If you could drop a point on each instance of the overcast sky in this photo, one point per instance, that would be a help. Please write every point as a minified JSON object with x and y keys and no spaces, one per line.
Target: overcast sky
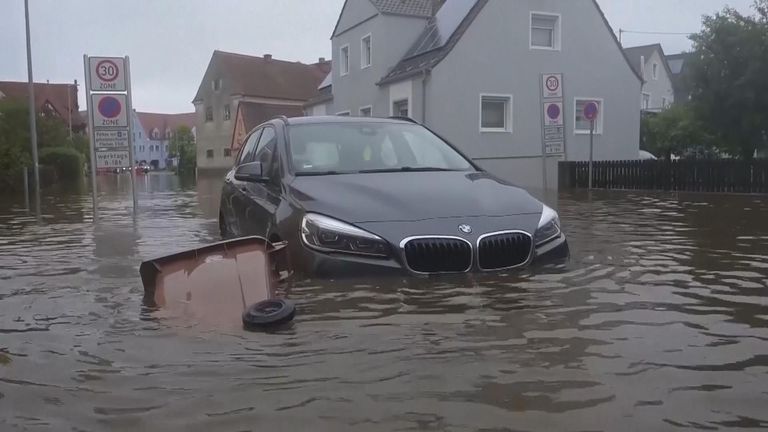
{"x":170,"y":41}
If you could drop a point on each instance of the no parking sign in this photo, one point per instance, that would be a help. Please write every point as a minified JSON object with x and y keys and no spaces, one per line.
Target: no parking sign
{"x":109,"y":111}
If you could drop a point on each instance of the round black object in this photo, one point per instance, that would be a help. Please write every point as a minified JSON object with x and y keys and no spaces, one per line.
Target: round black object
{"x":268,"y":313}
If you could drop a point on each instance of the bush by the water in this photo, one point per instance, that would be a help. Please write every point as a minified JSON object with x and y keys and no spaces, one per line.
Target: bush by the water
{"x":66,"y":162}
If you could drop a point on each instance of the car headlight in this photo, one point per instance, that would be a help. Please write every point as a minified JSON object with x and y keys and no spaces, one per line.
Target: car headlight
{"x":549,"y":226}
{"x":331,"y":235}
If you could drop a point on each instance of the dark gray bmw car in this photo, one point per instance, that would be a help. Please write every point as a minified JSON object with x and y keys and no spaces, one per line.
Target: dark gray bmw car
{"x":356,"y":196}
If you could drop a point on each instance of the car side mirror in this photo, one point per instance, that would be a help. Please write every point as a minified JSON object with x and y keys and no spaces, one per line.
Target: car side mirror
{"x":251,"y":172}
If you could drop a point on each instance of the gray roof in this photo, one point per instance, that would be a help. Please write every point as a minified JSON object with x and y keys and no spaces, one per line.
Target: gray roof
{"x":422,"y":8}
{"x":677,"y":62}
{"x":634,"y":54}
{"x":411,"y":66}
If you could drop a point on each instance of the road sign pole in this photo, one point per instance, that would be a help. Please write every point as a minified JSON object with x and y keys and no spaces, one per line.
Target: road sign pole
{"x":32,"y":115}
{"x":91,"y":136}
{"x":129,"y":107}
{"x":591,"y":149}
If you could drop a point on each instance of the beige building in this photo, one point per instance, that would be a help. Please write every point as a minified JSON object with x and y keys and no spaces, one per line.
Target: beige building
{"x":234,"y":78}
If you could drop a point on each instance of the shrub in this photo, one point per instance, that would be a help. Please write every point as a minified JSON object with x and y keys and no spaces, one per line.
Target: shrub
{"x":67,"y":162}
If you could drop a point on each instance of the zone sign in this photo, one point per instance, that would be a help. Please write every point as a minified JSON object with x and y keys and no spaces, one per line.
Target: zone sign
{"x":107,"y":73}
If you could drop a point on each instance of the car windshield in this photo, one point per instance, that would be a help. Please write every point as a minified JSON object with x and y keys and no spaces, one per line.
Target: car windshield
{"x":335,"y":148}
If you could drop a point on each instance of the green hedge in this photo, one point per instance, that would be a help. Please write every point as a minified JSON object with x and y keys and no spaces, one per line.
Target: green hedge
{"x":67,"y":162}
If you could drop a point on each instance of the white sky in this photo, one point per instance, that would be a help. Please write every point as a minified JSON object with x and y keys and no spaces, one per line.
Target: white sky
{"x":170,"y":41}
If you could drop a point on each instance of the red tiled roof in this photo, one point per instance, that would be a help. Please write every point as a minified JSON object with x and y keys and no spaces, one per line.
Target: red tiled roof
{"x":150,"y":121}
{"x":264,"y":77}
{"x":53,"y":93}
{"x":255,"y":114}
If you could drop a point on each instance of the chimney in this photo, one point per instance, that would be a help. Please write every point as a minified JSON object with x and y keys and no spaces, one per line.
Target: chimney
{"x":321,"y":60}
{"x":267,"y":57}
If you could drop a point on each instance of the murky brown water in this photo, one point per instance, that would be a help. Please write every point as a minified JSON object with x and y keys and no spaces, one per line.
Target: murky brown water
{"x":660,"y":322}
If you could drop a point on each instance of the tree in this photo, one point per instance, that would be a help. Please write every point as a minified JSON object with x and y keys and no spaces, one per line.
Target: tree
{"x":727,"y":75}
{"x":675,"y":130}
{"x":183,"y":147}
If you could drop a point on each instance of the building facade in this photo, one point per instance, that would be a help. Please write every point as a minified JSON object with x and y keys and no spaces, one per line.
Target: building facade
{"x":472,"y":71}
{"x":231,"y":79}
{"x":152,"y":136}
{"x":658,"y":91}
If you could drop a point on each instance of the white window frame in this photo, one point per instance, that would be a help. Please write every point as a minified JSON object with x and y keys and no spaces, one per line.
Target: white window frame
{"x":508,"y":114}
{"x":362,"y":51}
{"x":642,"y":101}
{"x":557,"y":37}
{"x":344,"y":113}
{"x":368,"y":107}
{"x":599,"y":126}
{"x":655,"y":71}
{"x":341,"y":60}
{"x":397,"y":101}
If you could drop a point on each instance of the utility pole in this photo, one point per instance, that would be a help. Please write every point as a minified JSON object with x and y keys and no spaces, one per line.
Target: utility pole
{"x":32,"y":114}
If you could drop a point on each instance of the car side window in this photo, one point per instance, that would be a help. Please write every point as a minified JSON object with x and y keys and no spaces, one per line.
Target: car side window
{"x":266,"y":149}
{"x":246,"y":154}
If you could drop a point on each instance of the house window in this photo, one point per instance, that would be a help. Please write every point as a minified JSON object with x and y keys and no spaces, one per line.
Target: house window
{"x":344,"y":60}
{"x":167,"y":134}
{"x":227,"y":152}
{"x":209,"y":154}
{"x":166,"y":148}
{"x":208,"y":114}
{"x":227,"y":113}
{"x":343,"y":114}
{"x":545,"y":31}
{"x":655,"y":71}
{"x":216,"y":84}
{"x":646,"y":102}
{"x":365,"y":51}
{"x":495,"y":113}
{"x":155,"y":134}
{"x":366,"y":111}
{"x":400,"y":108}
{"x":581,"y":124}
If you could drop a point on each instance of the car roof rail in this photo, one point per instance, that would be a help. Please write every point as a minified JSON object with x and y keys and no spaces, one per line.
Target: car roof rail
{"x":280,"y":117}
{"x":403,"y":118}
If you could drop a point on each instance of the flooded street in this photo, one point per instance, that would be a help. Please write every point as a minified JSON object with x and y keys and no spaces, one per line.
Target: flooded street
{"x":659,"y":322}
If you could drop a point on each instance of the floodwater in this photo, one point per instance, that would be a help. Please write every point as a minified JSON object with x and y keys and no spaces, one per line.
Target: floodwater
{"x":659,"y":322}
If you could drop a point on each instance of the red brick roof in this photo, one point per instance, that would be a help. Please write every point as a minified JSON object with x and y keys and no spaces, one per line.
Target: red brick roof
{"x":264,"y":77}
{"x":53,"y":93}
{"x":150,"y":121}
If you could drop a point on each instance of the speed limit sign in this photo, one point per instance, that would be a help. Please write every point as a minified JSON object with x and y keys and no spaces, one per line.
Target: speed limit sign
{"x":107,"y":73}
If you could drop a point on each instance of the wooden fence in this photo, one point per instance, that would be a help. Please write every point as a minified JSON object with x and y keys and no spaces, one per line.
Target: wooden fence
{"x":734,"y":176}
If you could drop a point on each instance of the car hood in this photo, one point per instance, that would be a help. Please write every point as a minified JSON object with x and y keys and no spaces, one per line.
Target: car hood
{"x":410,"y":196}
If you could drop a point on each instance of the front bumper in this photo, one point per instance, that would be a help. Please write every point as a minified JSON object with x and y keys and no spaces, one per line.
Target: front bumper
{"x":321,"y":264}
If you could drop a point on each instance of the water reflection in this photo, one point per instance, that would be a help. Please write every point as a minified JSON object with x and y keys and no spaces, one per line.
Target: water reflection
{"x":658,"y":323}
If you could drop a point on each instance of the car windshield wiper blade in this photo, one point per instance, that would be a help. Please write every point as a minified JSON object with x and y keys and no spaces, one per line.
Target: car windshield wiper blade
{"x":319,"y":173}
{"x":405,"y":169}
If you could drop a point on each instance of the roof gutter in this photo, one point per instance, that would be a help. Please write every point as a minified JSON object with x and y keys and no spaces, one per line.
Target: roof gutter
{"x":424,"y":77}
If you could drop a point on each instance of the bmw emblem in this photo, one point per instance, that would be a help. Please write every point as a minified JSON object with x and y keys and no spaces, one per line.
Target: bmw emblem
{"x":466,"y":229}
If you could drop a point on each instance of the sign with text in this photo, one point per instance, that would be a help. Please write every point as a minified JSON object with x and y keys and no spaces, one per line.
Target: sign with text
{"x":107,"y":73}
{"x":113,"y":159}
{"x":552,"y":86}
{"x":109,"y":111}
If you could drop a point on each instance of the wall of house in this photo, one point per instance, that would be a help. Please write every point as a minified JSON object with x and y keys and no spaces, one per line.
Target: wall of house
{"x":215,"y":135}
{"x":494,"y":56}
{"x":353,"y":13}
{"x":141,"y":141}
{"x":657,"y":88}
{"x":318,"y":110}
{"x":391,"y":37}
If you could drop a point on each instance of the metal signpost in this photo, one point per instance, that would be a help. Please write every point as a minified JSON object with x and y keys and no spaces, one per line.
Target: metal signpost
{"x":590,"y":113}
{"x":108,"y":96}
{"x":553,"y":124}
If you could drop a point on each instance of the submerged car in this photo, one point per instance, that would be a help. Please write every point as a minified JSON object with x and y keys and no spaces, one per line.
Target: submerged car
{"x":354,"y":196}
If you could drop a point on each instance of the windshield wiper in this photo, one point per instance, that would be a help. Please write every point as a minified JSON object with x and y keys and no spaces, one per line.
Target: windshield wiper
{"x":319,"y":173}
{"x":404,"y":169}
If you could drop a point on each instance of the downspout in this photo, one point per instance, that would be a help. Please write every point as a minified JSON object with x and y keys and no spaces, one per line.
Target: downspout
{"x":424,"y":76}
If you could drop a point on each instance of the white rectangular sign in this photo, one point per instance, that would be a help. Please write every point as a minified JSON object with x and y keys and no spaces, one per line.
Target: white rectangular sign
{"x":107,"y":73}
{"x":109,"y":111}
{"x":111,"y":134}
{"x":112,"y":159}
{"x":117,"y":143}
{"x":553,"y":114}
{"x":552,"y":86}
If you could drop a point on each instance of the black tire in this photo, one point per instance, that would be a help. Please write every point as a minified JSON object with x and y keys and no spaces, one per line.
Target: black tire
{"x":268,"y":313}
{"x":223,"y":228}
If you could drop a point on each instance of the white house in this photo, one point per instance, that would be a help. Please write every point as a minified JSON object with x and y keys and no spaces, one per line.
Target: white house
{"x":658,"y":91}
{"x":472,"y":70}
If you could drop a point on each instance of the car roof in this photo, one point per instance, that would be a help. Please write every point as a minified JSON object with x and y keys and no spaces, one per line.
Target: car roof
{"x":342,"y":119}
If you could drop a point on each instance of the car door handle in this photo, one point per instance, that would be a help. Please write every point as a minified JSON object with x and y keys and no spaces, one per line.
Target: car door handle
{"x":243,"y":188}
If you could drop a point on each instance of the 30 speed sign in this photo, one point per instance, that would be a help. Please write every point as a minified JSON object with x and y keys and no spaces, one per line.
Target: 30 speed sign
{"x":107,"y":73}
